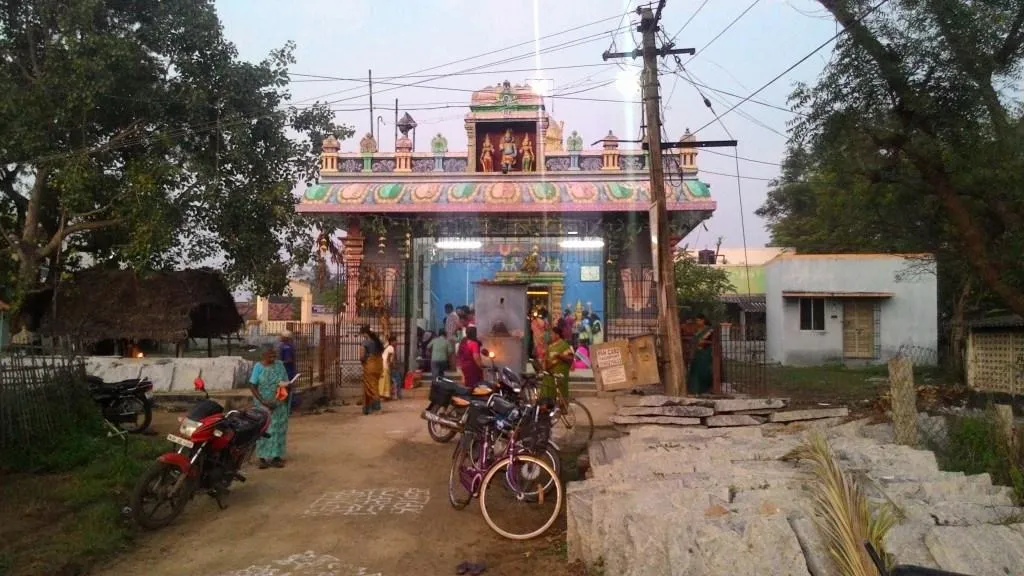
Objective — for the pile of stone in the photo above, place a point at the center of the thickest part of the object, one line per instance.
(721, 501)
(682, 411)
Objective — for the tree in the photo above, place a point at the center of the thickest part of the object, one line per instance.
(699, 288)
(913, 105)
(134, 135)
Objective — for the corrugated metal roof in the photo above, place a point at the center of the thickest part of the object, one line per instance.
(1004, 321)
(814, 294)
(747, 303)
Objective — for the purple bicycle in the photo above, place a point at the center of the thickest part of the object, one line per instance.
(481, 470)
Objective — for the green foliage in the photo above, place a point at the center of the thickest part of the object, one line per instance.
(904, 144)
(134, 131)
(975, 445)
(699, 288)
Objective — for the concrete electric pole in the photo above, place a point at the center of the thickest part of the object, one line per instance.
(674, 378)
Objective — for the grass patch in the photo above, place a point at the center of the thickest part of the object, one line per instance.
(64, 514)
(975, 445)
(829, 383)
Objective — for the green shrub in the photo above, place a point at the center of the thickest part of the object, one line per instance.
(975, 445)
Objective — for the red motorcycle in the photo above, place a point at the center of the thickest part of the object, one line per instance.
(208, 455)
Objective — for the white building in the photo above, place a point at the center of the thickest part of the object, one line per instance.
(850, 308)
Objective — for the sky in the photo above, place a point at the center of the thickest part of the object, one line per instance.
(347, 38)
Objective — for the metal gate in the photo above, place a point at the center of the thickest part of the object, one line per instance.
(375, 294)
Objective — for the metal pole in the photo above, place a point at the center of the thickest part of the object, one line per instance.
(396, 124)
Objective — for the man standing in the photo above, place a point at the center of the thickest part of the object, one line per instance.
(451, 328)
(440, 351)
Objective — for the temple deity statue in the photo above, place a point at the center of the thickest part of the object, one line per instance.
(574, 143)
(368, 145)
(487, 156)
(508, 152)
(528, 156)
(439, 145)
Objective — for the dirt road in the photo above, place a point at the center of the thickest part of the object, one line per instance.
(383, 470)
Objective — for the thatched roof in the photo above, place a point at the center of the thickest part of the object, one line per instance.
(102, 304)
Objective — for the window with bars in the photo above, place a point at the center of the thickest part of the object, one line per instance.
(812, 314)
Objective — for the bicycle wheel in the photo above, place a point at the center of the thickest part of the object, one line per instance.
(458, 495)
(524, 508)
(574, 425)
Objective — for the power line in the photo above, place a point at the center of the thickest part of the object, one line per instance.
(856, 20)
(724, 30)
(745, 159)
(703, 170)
(327, 78)
(688, 20)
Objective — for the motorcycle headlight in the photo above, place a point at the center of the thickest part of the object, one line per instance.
(188, 427)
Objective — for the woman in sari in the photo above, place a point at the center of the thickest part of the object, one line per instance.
(372, 359)
(268, 376)
(539, 327)
(558, 359)
(700, 378)
(470, 363)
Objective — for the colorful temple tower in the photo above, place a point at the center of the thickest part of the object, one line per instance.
(519, 203)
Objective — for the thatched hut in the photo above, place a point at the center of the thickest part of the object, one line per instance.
(102, 304)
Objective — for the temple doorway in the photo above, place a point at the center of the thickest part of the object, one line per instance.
(538, 296)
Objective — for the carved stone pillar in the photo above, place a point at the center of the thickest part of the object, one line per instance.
(542, 139)
(329, 156)
(352, 258)
(403, 155)
(557, 291)
(470, 146)
(610, 155)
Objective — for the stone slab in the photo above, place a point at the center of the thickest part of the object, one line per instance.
(740, 404)
(722, 420)
(813, 414)
(815, 549)
(660, 420)
(675, 411)
(657, 400)
(977, 550)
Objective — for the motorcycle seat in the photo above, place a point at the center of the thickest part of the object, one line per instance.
(247, 424)
(481, 390)
(460, 401)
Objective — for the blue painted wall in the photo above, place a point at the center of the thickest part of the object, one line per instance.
(453, 281)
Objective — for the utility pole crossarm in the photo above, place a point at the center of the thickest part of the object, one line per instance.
(696, 144)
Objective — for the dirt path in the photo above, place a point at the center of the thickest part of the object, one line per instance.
(268, 528)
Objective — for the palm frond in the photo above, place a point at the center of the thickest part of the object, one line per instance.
(844, 515)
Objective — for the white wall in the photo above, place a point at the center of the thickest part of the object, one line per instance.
(909, 317)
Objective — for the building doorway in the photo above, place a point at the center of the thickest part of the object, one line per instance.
(538, 296)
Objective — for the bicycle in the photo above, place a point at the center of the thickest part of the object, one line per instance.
(567, 408)
(475, 465)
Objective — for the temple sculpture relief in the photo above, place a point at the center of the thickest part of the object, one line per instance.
(508, 152)
(553, 137)
(528, 157)
(487, 156)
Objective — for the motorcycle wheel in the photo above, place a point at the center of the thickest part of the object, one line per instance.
(437, 432)
(154, 486)
(137, 406)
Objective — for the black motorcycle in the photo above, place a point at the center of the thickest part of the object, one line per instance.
(127, 404)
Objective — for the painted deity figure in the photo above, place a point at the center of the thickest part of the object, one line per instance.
(439, 145)
(487, 156)
(528, 156)
(508, 152)
(575, 142)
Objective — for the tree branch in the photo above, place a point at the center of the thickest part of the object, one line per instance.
(71, 230)
(1013, 41)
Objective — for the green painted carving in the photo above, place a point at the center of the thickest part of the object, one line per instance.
(463, 191)
(698, 189)
(545, 191)
(619, 192)
(317, 192)
(439, 145)
(367, 162)
(391, 191)
(574, 143)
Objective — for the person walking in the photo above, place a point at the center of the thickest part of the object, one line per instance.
(390, 388)
(286, 353)
(558, 360)
(267, 379)
(371, 357)
(451, 328)
(440, 351)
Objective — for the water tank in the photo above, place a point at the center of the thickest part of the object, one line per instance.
(706, 257)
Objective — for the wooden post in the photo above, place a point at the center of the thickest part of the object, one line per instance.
(716, 362)
(904, 400)
(1004, 418)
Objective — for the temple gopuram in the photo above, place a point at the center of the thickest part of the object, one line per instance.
(519, 201)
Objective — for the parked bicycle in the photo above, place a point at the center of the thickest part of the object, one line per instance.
(573, 419)
(481, 470)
